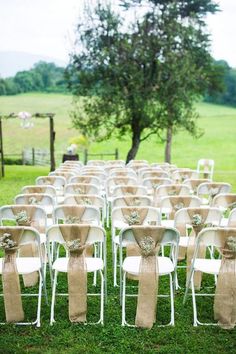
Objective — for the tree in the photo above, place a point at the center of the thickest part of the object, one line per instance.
(139, 76)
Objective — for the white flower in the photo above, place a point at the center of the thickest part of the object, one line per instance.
(6, 242)
(197, 220)
(22, 218)
(73, 245)
(87, 201)
(33, 200)
(147, 246)
(72, 220)
(133, 218)
(231, 243)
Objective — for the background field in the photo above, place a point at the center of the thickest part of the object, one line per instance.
(218, 141)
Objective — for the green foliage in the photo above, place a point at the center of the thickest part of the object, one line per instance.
(143, 75)
(227, 94)
(43, 77)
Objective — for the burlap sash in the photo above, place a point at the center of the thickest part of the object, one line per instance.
(33, 199)
(195, 183)
(121, 180)
(206, 169)
(225, 295)
(132, 201)
(75, 237)
(25, 217)
(10, 239)
(48, 180)
(84, 199)
(147, 239)
(214, 189)
(173, 189)
(73, 215)
(36, 189)
(134, 216)
(198, 219)
(177, 203)
(129, 190)
(81, 188)
(84, 179)
(67, 175)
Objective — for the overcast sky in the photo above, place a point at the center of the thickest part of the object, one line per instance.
(46, 27)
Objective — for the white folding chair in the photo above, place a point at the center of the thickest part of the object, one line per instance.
(208, 190)
(58, 182)
(91, 214)
(166, 266)
(27, 265)
(205, 167)
(85, 179)
(209, 237)
(232, 219)
(153, 183)
(93, 264)
(119, 222)
(181, 174)
(135, 200)
(96, 163)
(88, 200)
(82, 188)
(193, 183)
(122, 171)
(45, 189)
(225, 202)
(169, 190)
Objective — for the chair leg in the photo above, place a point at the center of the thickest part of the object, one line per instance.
(39, 299)
(53, 298)
(194, 302)
(102, 299)
(123, 300)
(172, 311)
(115, 266)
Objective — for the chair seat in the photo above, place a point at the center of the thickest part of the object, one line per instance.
(183, 241)
(92, 264)
(25, 265)
(209, 266)
(132, 264)
(167, 223)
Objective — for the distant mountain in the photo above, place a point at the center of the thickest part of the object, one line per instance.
(12, 62)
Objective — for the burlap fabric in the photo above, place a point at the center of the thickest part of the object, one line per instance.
(25, 216)
(84, 199)
(177, 203)
(33, 198)
(129, 190)
(73, 214)
(148, 239)
(132, 201)
(48, 180)
(75, 237)
(206, 169)
(225, 295)
(197, 227)
(10, 277)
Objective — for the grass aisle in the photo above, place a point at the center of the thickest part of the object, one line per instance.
(64, 337)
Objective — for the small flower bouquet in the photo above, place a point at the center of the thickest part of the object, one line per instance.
(7, 243)
(22, 218)
(133, 218)
(147, 246)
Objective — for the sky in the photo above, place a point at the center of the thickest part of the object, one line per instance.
(47, 27)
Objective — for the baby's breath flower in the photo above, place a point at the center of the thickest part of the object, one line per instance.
(147, 246)
(73, 245)
(6, 242)
(22, 218)
(231, 243)
(133, 218)
(197, 220)
(72, 220)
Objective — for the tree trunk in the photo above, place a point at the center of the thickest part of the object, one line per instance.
(168, 144)
(134, 147)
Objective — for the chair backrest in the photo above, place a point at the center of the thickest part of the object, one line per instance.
(65, 174)
(96, 163)
(29, 236)
(171, 189)
(137, 200)
(224, 200)
(91, 214)
(213, 236)
(153, 183)
(171, 235)
(193, 183)
(81, 188)
(57, 181)
(115, 163)
(45, 189)
(154, 173)
(7, 213)
(122, 171)
(85, 179)
(46, 201)
(171, 204)
(153, 215)
(180, 175)
(78, 164)
(210, 189)
(232, 218)
(130, 189)
(113, 182)
(96, 233)
(182, 217)
(205, 167)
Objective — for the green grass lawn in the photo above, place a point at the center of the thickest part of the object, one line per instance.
(64, 337)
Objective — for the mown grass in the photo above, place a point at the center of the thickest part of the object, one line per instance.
(64, 337)
(218, 141)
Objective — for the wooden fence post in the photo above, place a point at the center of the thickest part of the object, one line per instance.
(33, 156)
(85, 156)
(116, 154)
(52, 139)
